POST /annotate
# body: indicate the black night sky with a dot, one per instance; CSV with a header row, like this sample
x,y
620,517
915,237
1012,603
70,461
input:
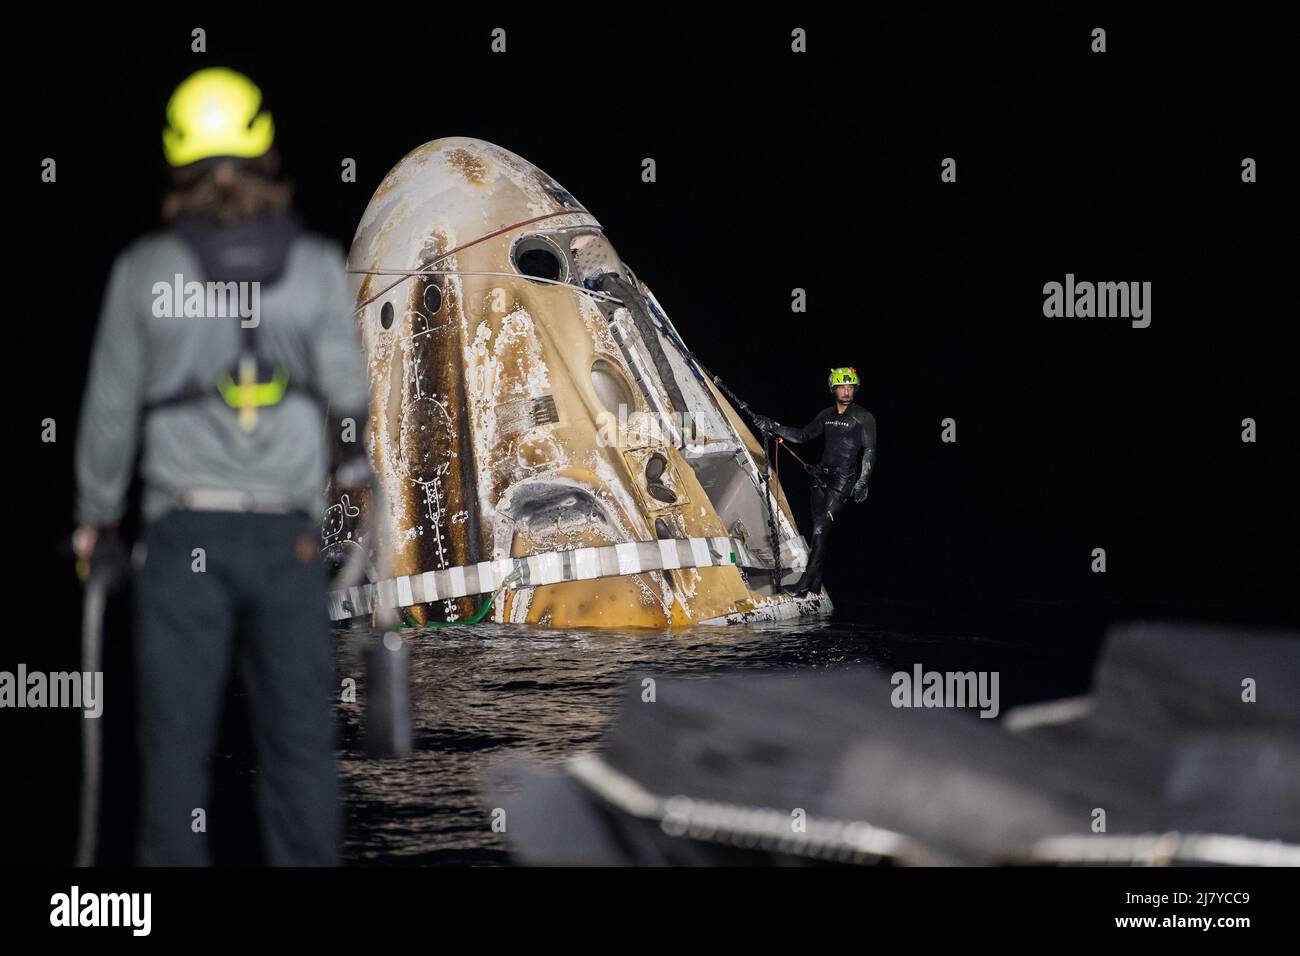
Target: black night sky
x,y
820,171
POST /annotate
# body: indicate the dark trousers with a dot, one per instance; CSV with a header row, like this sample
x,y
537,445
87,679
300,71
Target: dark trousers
x,y
828,501
260,603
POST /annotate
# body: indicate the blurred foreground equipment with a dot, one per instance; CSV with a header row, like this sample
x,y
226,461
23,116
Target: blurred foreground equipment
x,y
1189,745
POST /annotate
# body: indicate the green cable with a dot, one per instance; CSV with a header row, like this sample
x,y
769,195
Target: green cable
x,y
482,613
511,578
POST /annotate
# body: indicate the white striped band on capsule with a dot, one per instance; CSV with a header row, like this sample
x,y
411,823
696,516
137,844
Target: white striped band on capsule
x,y
553,567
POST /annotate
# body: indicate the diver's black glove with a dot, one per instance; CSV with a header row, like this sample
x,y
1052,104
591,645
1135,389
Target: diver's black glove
x,y
860,491
764,423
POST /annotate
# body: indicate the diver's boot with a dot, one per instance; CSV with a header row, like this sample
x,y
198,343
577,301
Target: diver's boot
x,y
810,582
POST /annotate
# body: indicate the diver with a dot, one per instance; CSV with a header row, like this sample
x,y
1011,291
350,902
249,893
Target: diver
x,y
849,431
238,384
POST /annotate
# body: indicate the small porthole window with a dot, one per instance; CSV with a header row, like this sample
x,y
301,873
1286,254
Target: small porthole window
x,y
432,299
538,257
386,315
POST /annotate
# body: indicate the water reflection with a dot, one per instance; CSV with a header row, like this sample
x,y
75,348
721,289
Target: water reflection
x,y
490,693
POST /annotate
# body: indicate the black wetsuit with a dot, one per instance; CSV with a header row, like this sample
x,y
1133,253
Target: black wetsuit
x,y
838,476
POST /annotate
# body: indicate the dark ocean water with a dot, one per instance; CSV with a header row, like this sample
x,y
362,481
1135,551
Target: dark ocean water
x,y
492,694
487,695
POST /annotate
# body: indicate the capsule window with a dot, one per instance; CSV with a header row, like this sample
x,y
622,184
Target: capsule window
x,y
432,299
386,315
538,257
611,388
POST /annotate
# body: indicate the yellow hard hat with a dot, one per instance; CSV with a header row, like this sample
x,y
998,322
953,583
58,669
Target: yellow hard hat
x,y
216,113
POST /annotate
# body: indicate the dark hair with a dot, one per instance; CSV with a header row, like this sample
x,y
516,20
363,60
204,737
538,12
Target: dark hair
x,y
228,189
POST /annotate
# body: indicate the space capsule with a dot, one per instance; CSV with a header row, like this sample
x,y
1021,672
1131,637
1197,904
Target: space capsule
x,y
538,429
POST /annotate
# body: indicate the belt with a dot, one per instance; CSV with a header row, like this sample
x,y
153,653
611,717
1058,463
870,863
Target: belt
x,y
837,472
227,499
831,477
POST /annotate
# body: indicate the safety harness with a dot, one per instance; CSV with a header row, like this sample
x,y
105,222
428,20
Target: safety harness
x,y
246,252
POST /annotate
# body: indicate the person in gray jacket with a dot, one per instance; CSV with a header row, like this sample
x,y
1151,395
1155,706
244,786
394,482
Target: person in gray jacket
x,y
226,347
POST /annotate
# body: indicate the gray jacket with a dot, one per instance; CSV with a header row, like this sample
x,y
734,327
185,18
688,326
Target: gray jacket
x,y
140,357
